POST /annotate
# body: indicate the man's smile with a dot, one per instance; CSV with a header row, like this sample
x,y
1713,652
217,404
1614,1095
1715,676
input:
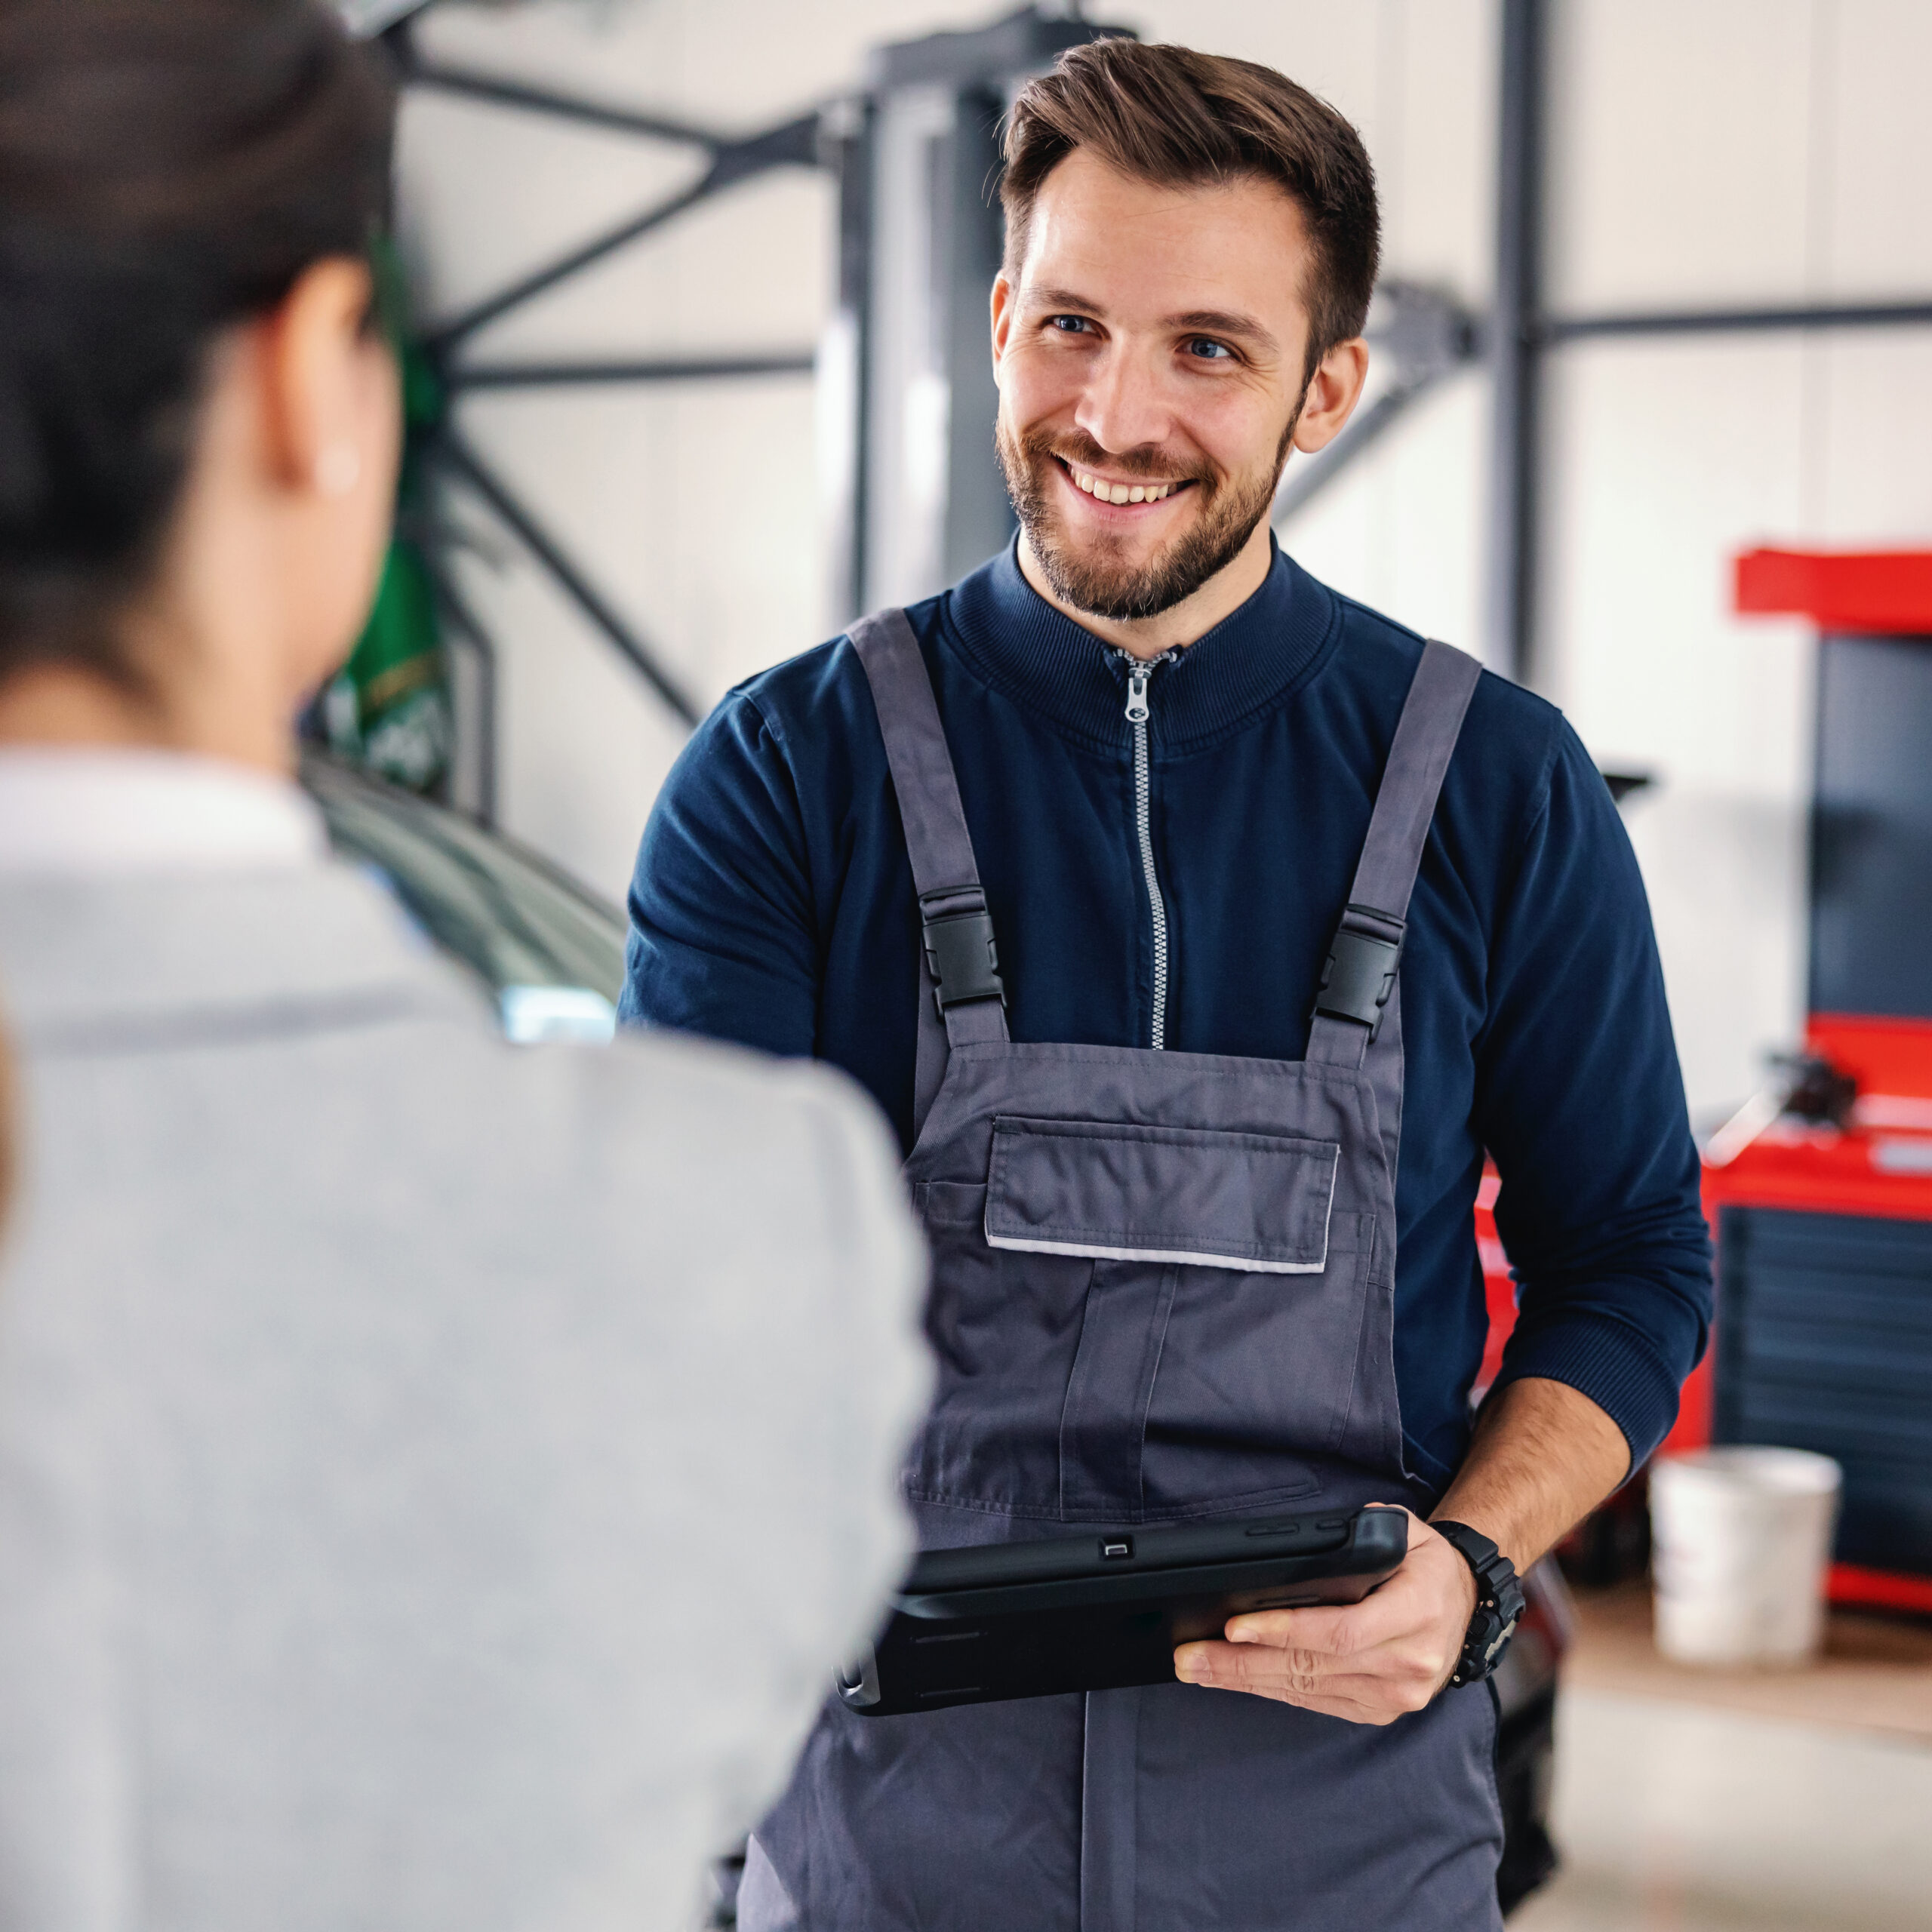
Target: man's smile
x,y
1115,491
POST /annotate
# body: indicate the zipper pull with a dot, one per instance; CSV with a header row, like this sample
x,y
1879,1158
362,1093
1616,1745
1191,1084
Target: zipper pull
x,y
1138,712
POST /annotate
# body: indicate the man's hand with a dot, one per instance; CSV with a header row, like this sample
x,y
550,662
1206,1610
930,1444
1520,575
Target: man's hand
x,y
1544,1455
1369,1661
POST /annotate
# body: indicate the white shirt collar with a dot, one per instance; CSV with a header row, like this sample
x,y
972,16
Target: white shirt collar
x,y
88,812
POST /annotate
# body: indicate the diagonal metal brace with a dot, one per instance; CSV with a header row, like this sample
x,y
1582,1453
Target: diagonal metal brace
x,y
450,449
792,144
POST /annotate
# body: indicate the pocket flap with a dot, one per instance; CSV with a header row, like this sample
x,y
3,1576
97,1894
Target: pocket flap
x,y
1202,1195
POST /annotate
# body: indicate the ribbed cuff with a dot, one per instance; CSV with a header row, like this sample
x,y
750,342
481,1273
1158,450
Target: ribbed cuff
x,y
1608,1361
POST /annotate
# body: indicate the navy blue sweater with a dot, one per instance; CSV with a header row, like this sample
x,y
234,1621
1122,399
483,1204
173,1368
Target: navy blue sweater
x,y
774,905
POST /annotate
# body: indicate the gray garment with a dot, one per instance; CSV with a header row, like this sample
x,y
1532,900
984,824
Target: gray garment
x,y
436,1477
1163,1290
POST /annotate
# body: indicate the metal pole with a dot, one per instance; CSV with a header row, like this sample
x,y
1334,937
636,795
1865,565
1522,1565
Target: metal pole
x,y
463,619
662,369
1514,346
851,347
1556,330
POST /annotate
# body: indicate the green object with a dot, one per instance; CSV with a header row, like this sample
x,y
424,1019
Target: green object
x,y
389,710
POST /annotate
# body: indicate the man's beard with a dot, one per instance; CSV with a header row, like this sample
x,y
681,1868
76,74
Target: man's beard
x,y
1094,579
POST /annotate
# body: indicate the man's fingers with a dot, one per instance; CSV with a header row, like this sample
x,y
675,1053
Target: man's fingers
x,y
1343,1630
1399,1676
1245,1666
1337,1632
1360,1697
1305,1678
1417,1597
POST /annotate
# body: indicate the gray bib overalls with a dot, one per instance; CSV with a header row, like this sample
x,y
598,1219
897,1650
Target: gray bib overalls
x,y
1163,1289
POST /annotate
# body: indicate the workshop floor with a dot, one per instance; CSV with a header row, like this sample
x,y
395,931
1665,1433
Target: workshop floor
x,y
1737,1801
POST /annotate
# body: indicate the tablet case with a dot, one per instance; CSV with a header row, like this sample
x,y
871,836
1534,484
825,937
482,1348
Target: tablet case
x,y
1103,1610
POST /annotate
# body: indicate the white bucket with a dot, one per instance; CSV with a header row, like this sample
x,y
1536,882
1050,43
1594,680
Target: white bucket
x,y
1741,1539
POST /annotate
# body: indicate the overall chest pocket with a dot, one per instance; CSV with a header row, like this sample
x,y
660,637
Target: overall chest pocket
x,y
1203,1197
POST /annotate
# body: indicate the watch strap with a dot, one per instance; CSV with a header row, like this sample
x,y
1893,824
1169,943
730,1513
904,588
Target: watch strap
x,y
1499,1601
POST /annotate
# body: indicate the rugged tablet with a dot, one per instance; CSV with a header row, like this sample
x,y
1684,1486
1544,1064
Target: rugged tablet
x,y
1105,1609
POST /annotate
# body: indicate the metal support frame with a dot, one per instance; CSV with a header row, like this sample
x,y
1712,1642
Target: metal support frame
x,y
1426,334
464,623
729,160
792,144
1553,331
1513,359
457,455
933,338
662,369
1517,335
848,351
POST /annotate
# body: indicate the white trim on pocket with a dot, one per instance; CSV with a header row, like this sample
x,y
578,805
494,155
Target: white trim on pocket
x,y
1240,1264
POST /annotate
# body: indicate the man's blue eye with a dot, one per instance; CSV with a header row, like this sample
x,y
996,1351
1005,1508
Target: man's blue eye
x,y
1069,324
1207,351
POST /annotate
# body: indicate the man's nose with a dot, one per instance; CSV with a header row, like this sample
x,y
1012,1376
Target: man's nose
x,y
1122,407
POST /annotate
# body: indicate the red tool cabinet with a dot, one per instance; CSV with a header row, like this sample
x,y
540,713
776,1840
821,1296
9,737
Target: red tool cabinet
x,y
1823,1337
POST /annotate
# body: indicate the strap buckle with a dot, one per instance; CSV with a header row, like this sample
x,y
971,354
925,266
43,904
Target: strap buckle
x,y
1359,975
960,953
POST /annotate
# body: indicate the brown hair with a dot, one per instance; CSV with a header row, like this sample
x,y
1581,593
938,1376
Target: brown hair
x,y
1175,118
167,167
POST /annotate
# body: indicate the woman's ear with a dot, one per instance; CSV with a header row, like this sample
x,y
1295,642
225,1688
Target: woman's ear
x,y
330,402
330,438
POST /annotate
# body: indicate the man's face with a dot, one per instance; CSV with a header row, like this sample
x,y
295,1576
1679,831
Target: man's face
x,y
1150,352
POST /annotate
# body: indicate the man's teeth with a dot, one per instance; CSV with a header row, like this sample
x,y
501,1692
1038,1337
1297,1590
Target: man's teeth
x,y
1123,493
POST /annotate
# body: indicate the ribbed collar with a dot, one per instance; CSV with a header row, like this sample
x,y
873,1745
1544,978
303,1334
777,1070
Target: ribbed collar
x,y
1250,662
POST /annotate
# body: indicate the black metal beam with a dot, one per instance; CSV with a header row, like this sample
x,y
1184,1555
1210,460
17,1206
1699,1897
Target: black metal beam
x,y
1513,343
1552,330
664,369
475,84
794,143
451,449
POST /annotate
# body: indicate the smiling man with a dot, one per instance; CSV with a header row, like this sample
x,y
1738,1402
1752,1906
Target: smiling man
x,y
1112,930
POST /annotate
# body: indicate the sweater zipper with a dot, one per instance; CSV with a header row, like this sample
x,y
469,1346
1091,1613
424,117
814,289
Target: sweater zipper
x,y
1139,675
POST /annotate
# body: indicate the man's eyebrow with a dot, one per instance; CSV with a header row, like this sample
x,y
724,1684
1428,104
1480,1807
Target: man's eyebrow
x,y
1219,321
1062,298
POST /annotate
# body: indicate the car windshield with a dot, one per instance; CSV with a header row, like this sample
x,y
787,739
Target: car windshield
x,y
551,954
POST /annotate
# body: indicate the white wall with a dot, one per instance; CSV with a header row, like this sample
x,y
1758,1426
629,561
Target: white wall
x,y
1715,153
1704,152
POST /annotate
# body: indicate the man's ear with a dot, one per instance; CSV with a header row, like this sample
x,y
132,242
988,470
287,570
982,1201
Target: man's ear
x,y
1002,318
1333,390
316,349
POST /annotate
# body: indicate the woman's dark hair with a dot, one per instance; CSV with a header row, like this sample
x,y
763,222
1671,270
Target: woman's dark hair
x,y
1178,118
167,167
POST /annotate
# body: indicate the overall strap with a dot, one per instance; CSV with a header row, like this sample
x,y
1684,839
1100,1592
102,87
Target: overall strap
x,y
1359,978
958,964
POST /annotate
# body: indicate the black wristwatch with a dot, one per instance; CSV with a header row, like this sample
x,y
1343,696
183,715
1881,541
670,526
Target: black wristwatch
x,y
1498,1601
